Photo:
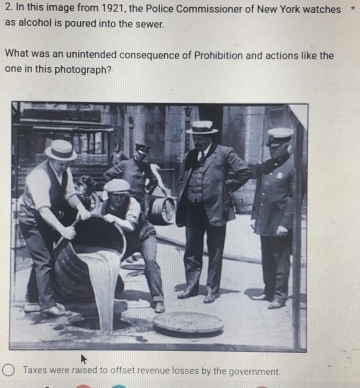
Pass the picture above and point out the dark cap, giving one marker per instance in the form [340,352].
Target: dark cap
[142,149]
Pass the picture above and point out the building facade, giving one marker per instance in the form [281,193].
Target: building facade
[96,128]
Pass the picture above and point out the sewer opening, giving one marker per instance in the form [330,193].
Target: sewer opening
[94,324]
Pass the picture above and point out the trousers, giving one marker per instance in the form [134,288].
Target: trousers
[197,225]
[148,247]
[276,265]
[39,240]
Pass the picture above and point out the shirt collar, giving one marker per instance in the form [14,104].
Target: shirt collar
[206,151]
[58,176]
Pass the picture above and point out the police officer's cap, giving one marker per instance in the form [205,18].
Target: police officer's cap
[117,186]
[279,136]
[142,149]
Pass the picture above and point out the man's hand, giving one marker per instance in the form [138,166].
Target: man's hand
[83,213]
[68,233]
[281,231]
[109,218]
[252,224]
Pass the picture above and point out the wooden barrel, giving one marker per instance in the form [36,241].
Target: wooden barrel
[71,275]
[161,210]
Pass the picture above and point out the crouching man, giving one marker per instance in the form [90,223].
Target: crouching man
[125,211]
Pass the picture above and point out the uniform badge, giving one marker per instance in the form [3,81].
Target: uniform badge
[279,175]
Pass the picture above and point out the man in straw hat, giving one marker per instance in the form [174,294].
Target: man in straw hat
[124,211]
[210,173]
[135,171]
[272,216]
[47,186]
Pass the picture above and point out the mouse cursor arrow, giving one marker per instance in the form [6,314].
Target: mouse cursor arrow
[83,359]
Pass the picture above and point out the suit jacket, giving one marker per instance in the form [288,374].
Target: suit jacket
[273,203]
[224,172]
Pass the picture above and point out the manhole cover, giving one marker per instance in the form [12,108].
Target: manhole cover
[189,322]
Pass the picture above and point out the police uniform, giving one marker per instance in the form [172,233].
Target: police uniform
[135,172]
[117,157]
[273,209]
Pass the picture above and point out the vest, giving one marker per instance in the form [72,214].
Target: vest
[56,192]
[142,231]
[194,189]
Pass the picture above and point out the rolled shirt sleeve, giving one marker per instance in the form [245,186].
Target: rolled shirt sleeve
[133,212]
[38,183]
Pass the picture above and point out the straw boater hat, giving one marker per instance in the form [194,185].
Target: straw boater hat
[142,149]
[61,150]
[117,186]
[278,136]
[202,128]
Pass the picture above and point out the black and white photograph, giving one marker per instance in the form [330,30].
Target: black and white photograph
[155,226]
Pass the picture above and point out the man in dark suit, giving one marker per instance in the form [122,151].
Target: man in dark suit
[272,216]
[135,171]
[210,173]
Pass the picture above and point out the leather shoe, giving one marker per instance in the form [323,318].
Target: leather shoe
[159,307]
[210,297]
[186,294]
[54,311]
[260,297]
[276,304]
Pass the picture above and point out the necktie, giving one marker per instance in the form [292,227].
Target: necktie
[202,158]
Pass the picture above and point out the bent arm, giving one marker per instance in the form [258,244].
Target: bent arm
[131,219]
[125,225]
[115,172]
[152,178]
[49,217]
[239,172]
[155,169]
[74,202]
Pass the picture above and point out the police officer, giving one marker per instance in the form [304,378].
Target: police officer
[135,171]
[272,216]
